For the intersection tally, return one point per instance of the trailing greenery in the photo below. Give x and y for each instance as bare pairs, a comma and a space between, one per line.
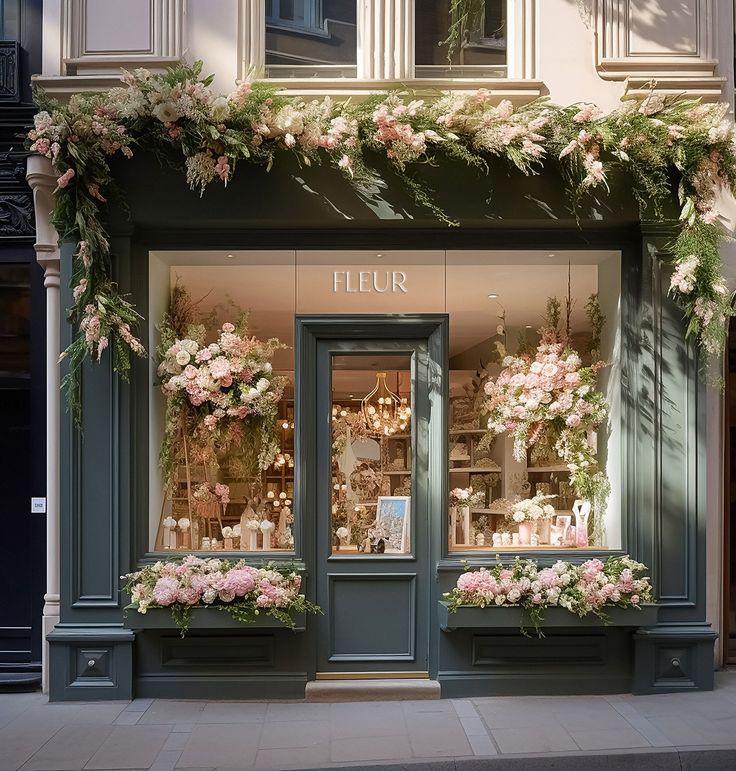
668, 148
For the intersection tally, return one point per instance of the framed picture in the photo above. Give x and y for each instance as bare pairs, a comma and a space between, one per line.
393, 520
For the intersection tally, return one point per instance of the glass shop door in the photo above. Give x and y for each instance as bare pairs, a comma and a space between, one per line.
374, 423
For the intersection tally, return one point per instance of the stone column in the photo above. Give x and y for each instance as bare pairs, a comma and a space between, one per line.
386, 39
42, 181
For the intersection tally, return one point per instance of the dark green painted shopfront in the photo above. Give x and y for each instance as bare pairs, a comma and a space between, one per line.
359, 283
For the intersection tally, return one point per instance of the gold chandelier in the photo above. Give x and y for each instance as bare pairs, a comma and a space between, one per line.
384, 412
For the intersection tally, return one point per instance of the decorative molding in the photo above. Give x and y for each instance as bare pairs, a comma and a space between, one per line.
81, 56
16, 214
386, 39
523, 39
618, 57
9, 74
42, 181
251, 37
515, 90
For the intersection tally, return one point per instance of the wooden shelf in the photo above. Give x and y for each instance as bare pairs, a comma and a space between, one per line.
476, 470
467, 431
395, 472
545, 469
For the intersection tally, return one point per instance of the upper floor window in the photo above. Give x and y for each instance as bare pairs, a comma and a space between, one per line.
461, 40
302, 15
311, 38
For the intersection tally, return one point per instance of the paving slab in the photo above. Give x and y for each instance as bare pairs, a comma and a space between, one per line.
69, 749
225, 745
130, 747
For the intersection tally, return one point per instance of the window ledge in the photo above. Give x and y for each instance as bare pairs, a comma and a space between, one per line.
516, 90
695, 78
513, 617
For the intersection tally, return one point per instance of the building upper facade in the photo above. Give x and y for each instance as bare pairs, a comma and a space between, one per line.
569, 50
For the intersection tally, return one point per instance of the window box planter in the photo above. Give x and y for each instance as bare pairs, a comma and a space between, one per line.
205, 618
471, 617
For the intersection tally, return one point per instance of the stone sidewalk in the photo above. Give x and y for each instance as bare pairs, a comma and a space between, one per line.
680, 731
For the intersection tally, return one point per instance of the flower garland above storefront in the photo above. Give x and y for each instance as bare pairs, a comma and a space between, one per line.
668, 147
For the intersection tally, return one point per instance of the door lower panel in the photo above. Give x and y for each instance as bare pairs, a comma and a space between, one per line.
372, 617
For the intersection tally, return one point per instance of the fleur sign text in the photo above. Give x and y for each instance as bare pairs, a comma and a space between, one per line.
368, 281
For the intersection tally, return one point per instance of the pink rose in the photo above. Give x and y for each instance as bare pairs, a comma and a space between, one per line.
573, 421
65, 178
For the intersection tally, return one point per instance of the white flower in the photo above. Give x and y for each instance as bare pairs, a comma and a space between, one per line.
262, 385
220, 109
183, 358
166, 112
184, 523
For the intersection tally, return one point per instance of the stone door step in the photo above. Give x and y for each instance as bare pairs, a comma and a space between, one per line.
372, 690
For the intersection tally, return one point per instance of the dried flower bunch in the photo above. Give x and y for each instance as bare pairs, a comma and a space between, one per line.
669, 148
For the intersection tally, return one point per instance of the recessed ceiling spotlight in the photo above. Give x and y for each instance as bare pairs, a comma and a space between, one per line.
551, 254
528, 326
379, 255
230, 256
492, 296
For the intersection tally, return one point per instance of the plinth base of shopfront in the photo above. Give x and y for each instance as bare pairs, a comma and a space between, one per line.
383, 689
633, 651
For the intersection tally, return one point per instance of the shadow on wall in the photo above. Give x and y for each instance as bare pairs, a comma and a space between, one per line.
668, 26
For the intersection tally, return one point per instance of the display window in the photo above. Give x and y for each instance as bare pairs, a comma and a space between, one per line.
311, 38
533, 456
469, 43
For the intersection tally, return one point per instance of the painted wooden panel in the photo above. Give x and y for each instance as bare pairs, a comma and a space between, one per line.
112, 26
373, 617
665, 27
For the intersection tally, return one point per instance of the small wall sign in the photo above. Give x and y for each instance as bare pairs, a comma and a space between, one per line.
381, 281
38, 505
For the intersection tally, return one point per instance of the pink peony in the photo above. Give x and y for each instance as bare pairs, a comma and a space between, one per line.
165, 591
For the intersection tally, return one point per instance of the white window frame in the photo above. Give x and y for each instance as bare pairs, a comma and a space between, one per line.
385, 56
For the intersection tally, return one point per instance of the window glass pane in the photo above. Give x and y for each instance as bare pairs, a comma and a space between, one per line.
476, 44
311, 38
371, 454
218, 484
498, 488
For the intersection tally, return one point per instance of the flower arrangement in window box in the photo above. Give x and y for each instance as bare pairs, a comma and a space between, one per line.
242, 591
594, 587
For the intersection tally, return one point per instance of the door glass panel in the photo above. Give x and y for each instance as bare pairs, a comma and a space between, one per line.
371, 454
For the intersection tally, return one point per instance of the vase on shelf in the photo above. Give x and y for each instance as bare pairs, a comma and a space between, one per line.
525, 533
453, 526
543, 530
467, 529
581, 510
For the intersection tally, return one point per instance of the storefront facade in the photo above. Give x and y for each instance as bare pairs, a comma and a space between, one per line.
358, 284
